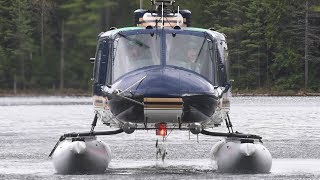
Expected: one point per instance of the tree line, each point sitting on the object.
(45, 44)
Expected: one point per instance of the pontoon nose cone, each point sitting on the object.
(247, 149)
(85, 156)
(78, 147)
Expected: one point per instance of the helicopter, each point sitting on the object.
(161, 74)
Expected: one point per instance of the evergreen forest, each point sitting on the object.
(45, 45)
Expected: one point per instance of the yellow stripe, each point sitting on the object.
(146, 100)
(100, 101)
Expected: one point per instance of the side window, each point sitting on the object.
(216, 66)
(226, 63)
(222, 67)
(96, 67)
(109, 64)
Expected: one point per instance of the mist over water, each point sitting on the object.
(30, 127)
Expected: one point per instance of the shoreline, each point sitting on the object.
(274, 94)
(35, 93)
(81, 93)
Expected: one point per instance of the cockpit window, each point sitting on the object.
(135, 51)
(191, 52)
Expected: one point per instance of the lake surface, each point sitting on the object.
(30, 127)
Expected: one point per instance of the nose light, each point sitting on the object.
(161, 129)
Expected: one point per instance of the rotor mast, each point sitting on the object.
(162, 14)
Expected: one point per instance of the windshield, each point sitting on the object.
(191, 52)
(135, 51)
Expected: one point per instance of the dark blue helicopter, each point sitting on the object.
(161, 74)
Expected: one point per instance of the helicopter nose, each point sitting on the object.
(174, 82)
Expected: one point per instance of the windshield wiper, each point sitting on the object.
(139, 43)
(204, 40)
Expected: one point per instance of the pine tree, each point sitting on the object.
(16, 41)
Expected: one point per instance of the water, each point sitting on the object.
(31, 126)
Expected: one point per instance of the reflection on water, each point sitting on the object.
(31, 126)
(173, 169)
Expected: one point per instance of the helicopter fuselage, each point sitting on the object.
(149, 76)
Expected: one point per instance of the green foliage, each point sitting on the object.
(266, 41)
(83, 19)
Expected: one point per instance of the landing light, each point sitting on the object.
(161, 129)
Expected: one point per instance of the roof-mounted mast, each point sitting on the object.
(162, 14)
(162, 4)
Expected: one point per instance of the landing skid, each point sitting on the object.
(232, 135)
(80, 136)
(79, 153)
(83, 153)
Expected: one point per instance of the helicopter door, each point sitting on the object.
(100, 65)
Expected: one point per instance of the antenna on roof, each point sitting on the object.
(162, 4)
(163, 13)
(162, 24)
(141, 4)
(165, 2)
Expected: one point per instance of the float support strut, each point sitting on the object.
(98, 133)
(236, 135)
